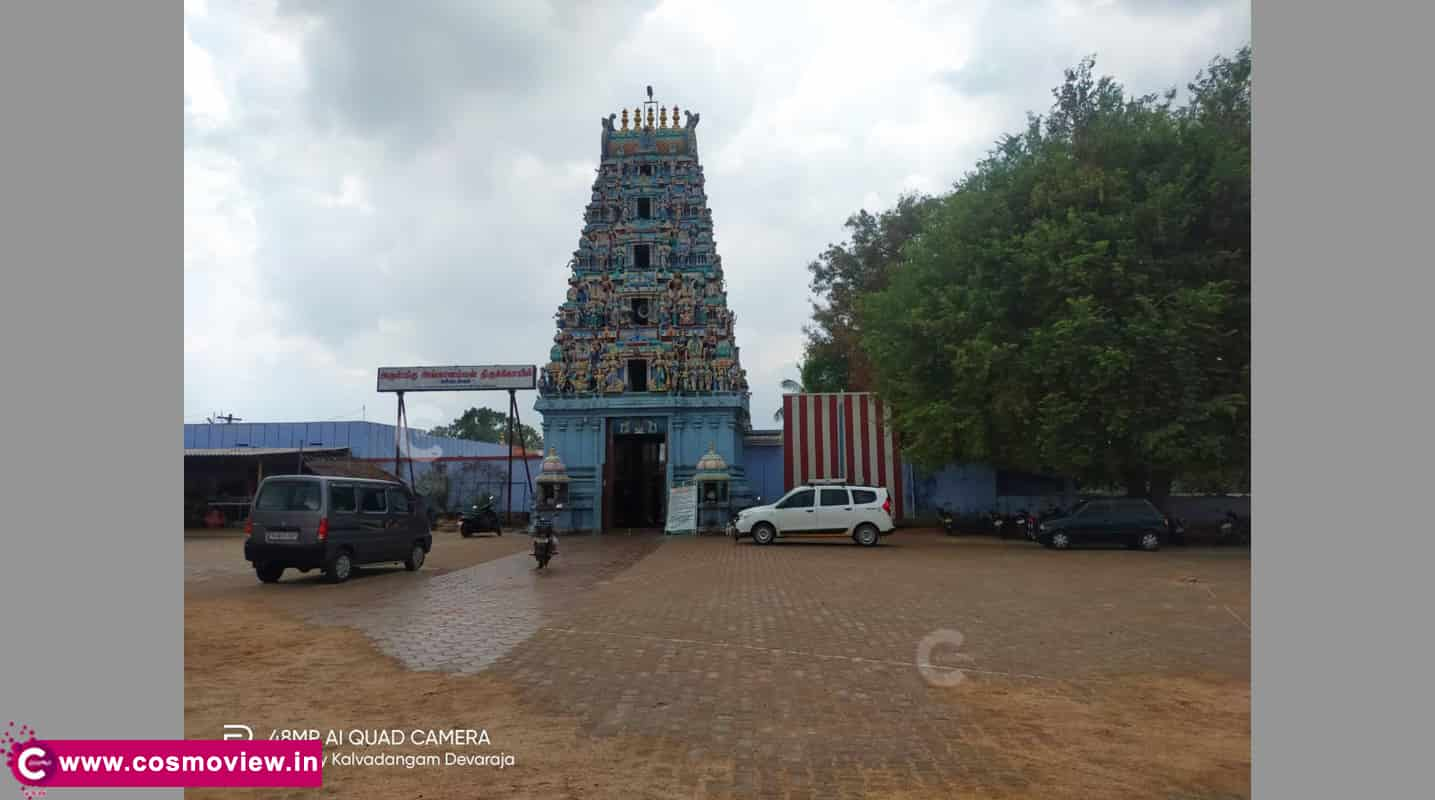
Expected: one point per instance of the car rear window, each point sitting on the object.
(289, 496)
(863, 496)
(341, 500)
(371, 500)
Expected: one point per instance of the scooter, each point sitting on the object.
(543, 547)
(949, 522)
(479, 519)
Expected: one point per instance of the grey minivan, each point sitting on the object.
(334, 524)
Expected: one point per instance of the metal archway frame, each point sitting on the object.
(500, 377)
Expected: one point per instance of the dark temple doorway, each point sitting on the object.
(638, 480)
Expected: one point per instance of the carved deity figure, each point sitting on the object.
(660, 375)
(614, 383)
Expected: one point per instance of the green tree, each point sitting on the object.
(1081, 302)
(833, 359)
(487, 425)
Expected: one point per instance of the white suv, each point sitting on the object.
(819, 509)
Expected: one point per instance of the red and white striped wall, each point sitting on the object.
(840, 436)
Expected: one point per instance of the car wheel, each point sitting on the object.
(268, 573)
(416, 558)
(763, 533)
(1060, 541)
(1150, 540)
(340, 567)
(866, 535)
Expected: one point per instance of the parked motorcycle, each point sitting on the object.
(1176, 528)
(1233, 529)
(483, 517)
(543, 540)
(999, 524)
(949, 522)
(1026, 524)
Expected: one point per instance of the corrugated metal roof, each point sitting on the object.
(215, 452)
(345, 468)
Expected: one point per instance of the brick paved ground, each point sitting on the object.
(801, 659)
(795, 666)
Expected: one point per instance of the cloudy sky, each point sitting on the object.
(380, 183)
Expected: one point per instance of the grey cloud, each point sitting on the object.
(1027, 59)
(396, 70)
(1173, 7)
(433, 105)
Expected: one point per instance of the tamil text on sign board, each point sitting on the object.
(682, 510)
(458, 379)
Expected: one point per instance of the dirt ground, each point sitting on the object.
(1152, 698)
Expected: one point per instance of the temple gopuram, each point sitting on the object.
(644, 377)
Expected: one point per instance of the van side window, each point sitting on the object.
(399, 501)
(834, 497)
(341, 500)
(289, 496)
(371, 500)
(862, 497)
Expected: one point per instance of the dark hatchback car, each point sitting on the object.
(334, 524)
(1122, 520)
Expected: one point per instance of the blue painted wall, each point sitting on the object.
(576, 427)
(763, 465)
(375, 441)
(959, 488)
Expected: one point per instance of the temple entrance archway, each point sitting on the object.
(636, 485)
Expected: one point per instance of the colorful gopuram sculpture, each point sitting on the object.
(646, 306)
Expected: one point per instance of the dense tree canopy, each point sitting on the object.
(833, 359)
(487, 425)
(1080, 303)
